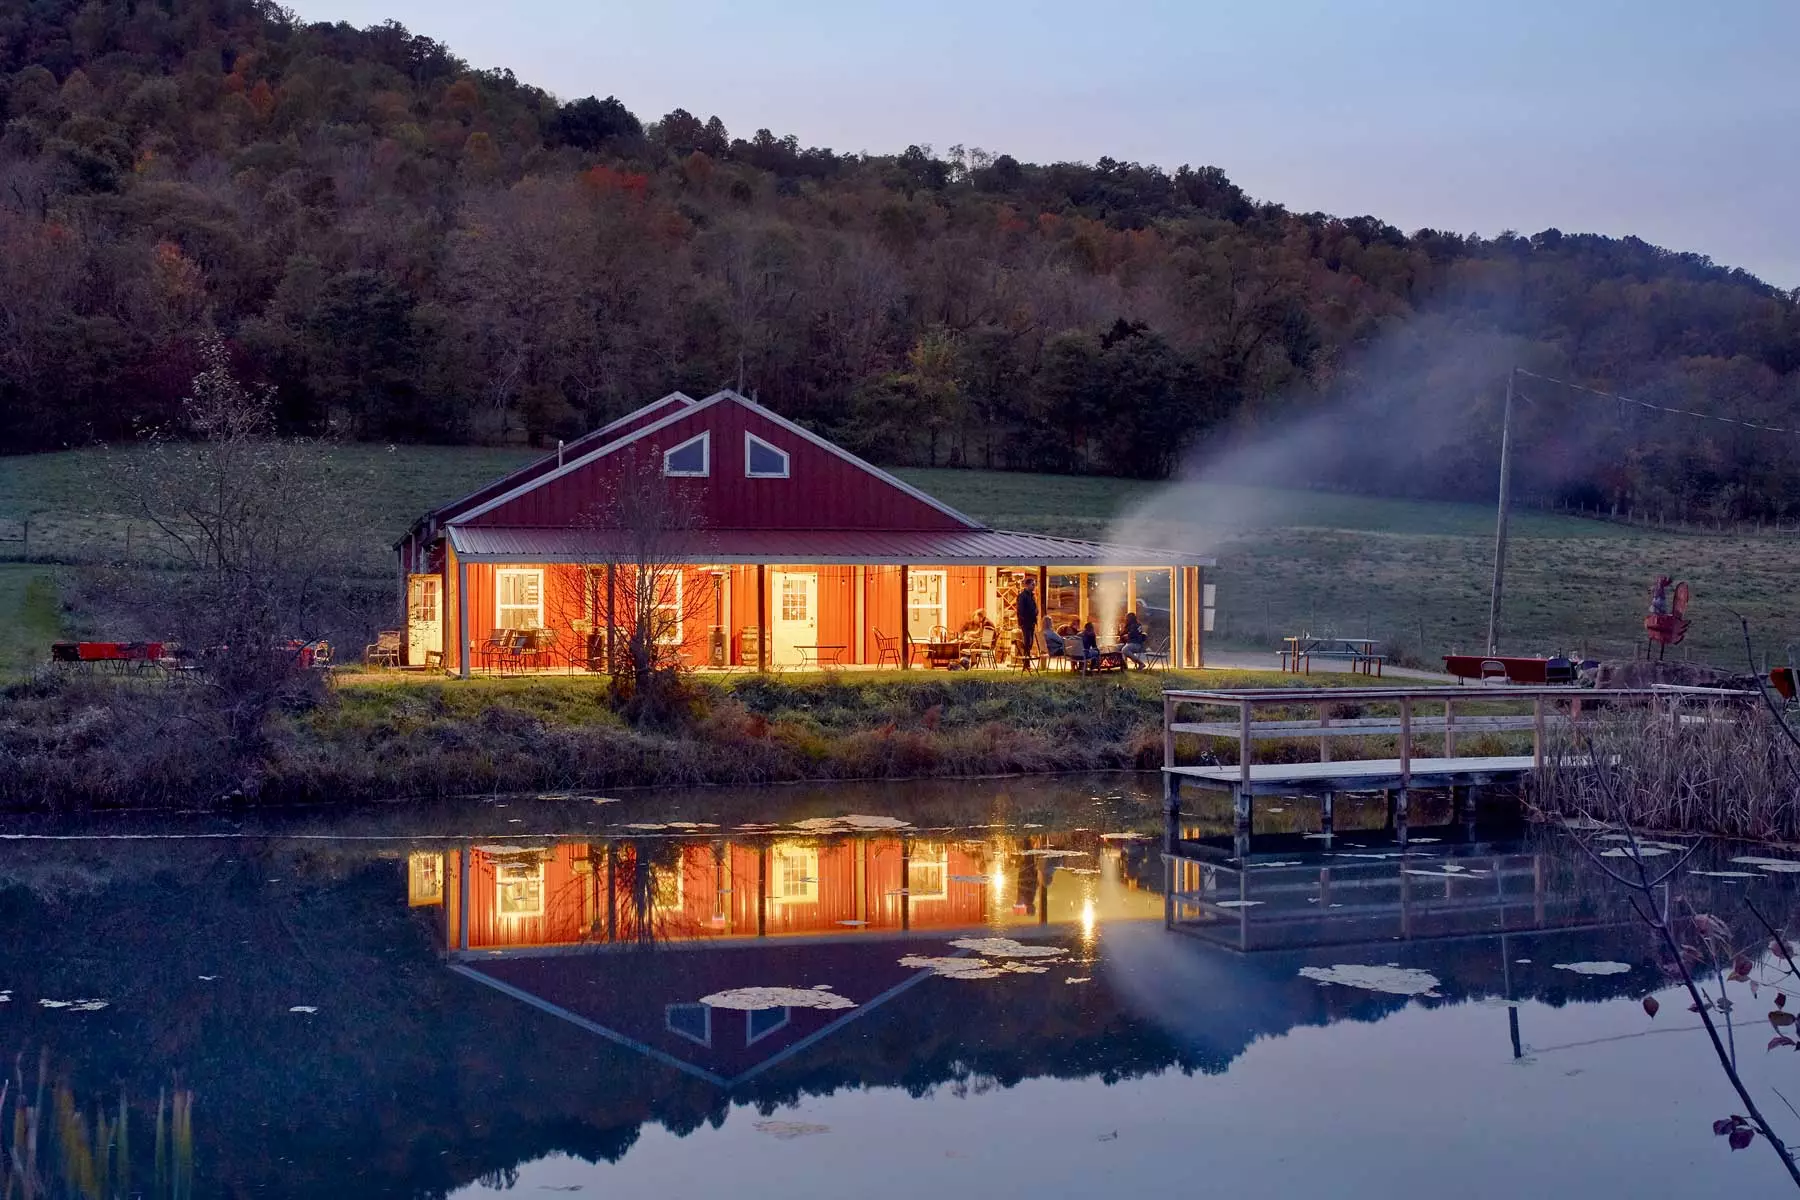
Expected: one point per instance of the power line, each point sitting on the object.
(1680, 412)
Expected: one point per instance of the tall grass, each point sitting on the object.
(1731, 773)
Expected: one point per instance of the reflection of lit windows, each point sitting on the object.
(519, 887)
(666, 886)
(793, 875)
(928, 872)
(761, 1022)
(424, 878)
(691, 1021)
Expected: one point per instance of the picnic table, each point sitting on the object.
(822, 655)
(1298, 651)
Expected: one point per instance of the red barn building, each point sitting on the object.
(788, 551)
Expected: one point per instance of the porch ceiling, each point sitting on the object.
(973, 547)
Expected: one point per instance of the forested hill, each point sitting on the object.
(410, 249)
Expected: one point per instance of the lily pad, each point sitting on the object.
(999, 947)
(751, 999)
(1396, 981)
(1779, 866)
(953, 967)
(1594, 968)
(1238, 903)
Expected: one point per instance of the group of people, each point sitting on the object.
(1080, 647)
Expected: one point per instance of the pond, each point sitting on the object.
(992, 986)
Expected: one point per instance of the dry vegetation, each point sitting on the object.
(1729, 773)
(97, 742)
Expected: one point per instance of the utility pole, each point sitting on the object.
(1500, 520)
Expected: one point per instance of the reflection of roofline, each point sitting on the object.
(669, 1060)
(748, 941)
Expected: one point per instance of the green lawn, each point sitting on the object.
(1414, 573)
(29, 618)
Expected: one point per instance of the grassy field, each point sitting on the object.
(1413, 573)
(29, 620)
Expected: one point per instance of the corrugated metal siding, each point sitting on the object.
(822, 491)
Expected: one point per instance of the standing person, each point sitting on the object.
(1028, 619)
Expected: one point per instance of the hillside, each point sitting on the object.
(413, 250)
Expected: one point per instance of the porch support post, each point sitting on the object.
(905, 628)
(859, 577)
(1196, 604)
(464, 651)
(462, 899)
(762, 621)
(1177, 618)
(612, 661)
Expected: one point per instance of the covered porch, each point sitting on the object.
(561, 600)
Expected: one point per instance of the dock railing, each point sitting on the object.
(1550, 707)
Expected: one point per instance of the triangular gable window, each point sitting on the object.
(762, 460)
(692, 458)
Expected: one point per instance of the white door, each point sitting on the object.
(796, 616)
(424, 617)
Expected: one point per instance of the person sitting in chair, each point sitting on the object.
(1088, 647)
(1053, 641)
(978, 621)
(1134, 640)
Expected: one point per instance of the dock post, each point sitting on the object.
(1400, 813)
(1326, 813)
(1171, 814)
(1168, 891)
(1449, 729)
(1168, 730)
(1324, 738)
(1537, 733)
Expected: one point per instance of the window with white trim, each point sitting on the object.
(762, 460)
(691, 1021)
(927, 603)
(518, 599)
(793, 874)
(667, 615)
(519, 887)
(928, 872)
(759, 1023)
(691, 458)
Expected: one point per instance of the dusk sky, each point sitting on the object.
(1672, 121)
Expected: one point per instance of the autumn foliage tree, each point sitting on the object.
(408, 248)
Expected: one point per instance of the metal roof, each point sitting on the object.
(973, 547)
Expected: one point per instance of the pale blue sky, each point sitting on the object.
(1671, 119)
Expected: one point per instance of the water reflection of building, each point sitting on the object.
(557, 896)
(827, 913)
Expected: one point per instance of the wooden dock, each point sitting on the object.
(1537, 710)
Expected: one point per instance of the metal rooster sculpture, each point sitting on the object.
(1667, 623)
